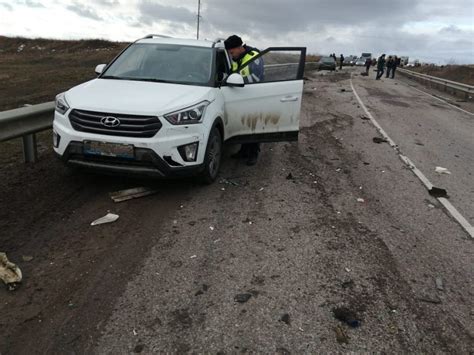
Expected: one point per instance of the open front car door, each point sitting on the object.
(267, 107)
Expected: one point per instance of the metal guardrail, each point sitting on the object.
(446, 85)
(25, 122)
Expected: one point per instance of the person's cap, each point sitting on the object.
(233, 41)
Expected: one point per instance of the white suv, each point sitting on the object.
(164, 107)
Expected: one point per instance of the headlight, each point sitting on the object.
(61, 104)
(188, 115)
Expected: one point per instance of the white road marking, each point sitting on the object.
(447, 204)
(443, 101)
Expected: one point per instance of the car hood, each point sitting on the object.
(135, 97)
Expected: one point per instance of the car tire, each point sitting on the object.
(212, 159)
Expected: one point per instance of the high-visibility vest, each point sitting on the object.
(244, 69)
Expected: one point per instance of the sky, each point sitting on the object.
(435, 31)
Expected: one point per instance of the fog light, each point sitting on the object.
(189, 151)
(56, 139)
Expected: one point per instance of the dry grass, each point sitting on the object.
(460, 73)
(44, 68)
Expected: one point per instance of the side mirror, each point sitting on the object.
(100, 68)
(235, 80)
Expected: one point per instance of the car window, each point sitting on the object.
(276, 64)
(163, 62)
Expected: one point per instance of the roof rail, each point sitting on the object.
(156, 35)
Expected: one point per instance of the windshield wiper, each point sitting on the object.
(112, 77)
(154, 80)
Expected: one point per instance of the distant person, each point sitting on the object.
(396, 64)
(389, 66)
(368, 64)
(341, 61)
(380, 66)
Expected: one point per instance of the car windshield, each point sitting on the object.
(327, 60)
(163, 63)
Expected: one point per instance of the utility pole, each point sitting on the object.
(198, 17)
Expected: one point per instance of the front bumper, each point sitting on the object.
(145, 163)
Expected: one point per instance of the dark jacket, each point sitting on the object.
(380, 63)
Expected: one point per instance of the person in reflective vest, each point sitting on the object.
(252, 70)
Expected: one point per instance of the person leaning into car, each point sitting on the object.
(252, 73)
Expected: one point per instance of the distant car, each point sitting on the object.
(327, 63)
(360, 62)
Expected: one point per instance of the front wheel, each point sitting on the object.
(212, 160)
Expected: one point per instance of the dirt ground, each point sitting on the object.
(290, 236)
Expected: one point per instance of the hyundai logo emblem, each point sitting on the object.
(110, 121)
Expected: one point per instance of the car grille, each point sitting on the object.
(130, 125)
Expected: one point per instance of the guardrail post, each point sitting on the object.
(30, 153)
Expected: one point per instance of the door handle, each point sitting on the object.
(289, 98)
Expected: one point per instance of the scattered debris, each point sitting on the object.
(130, 194)
(431, 206)
(441, 170)
(365, 118)
(217, 241)
(361, 200)
(193, 257)
(439, 284)
(108, 218)
(211, 228)
(343, 90)
(285, 318)
(242, 297)
(290, 177)
(438, 192)
(222, 188)
(27, 258)
(135, 332)
(9, 273)
(261, 189)
(428, 299)
(341, 335)
(379, 140)
(347, 269)
(138, 348)
(229, 182)
(347, 316)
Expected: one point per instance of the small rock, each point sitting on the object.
(27, 258)
(439, 284)
(341, 335)
(138, 348)
(242, 297)
(347, 316)
(379, 140)
(285, 318)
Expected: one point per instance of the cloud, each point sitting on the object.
(30, 3)
(6, 6)
(152, 12)
(84, 11)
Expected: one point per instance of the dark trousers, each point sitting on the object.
(379, 73)
(367, 69)
(393, 72)
(388, 72)
(250, 149)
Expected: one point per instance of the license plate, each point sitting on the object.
(109, 149)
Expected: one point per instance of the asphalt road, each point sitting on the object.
(334, 225)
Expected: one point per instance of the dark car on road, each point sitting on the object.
(327, 63)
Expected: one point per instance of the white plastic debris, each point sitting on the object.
(261, 189)
(347, 269)
(441, 170)
(211, 228)
(9, 273)
(108, 218)
(193, 257)
(361, 200)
